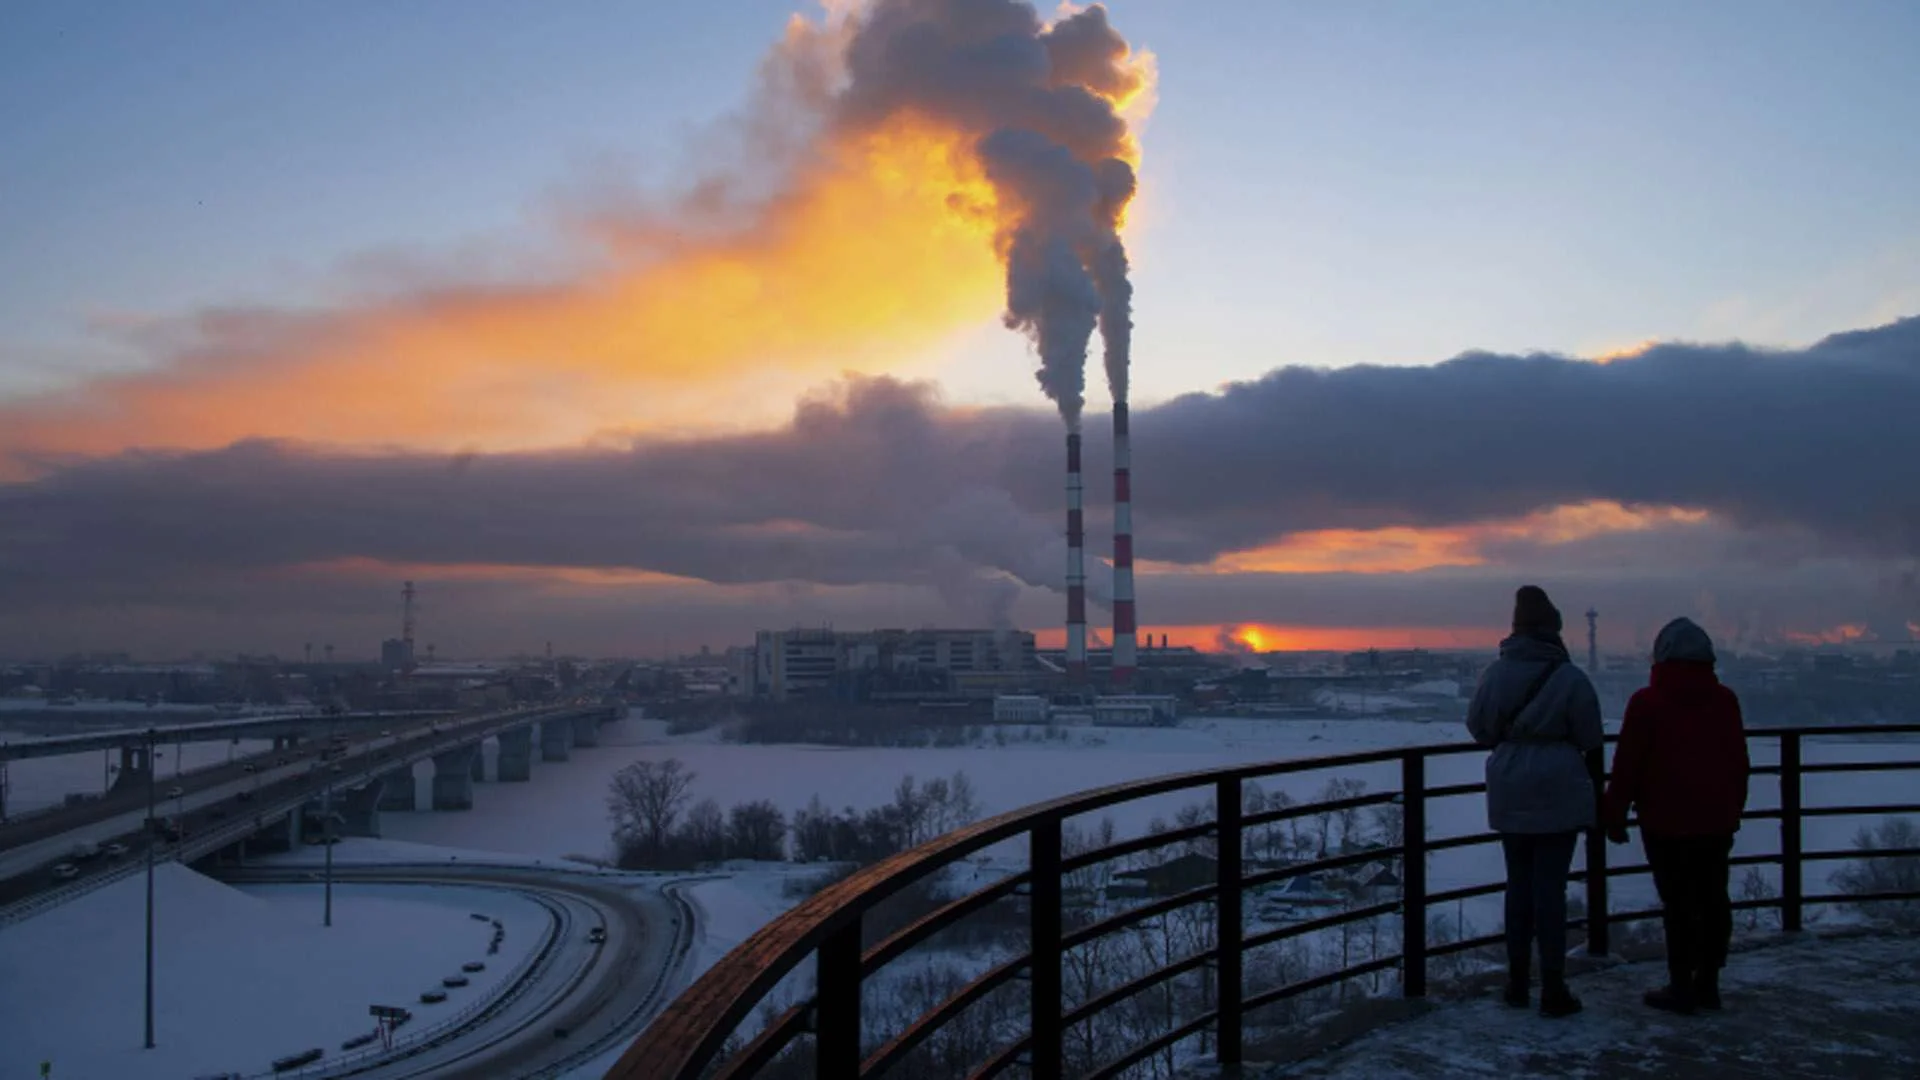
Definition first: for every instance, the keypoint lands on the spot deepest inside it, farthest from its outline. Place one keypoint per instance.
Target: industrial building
(803, 663)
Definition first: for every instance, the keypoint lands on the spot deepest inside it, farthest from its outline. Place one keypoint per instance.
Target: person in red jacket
(1682, 764)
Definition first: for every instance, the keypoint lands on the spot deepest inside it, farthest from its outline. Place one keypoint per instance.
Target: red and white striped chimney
(1076, 569)
(1124, 623)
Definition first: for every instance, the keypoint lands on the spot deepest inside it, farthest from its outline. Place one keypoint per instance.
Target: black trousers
(1537, 867)
(1697, 913)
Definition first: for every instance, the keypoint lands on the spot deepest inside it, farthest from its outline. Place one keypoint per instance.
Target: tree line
(657, 824)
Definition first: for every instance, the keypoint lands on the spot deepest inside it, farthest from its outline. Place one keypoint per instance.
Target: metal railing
(701, 1034)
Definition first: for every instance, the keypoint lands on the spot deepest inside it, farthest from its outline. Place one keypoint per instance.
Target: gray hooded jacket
(1537, 778)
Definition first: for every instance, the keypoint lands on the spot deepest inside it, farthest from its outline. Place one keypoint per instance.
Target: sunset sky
(641, 326)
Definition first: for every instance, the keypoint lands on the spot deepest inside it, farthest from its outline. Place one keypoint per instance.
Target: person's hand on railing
(1617, 833)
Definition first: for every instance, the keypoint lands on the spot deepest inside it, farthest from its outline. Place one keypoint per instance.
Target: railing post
(1230, 928)
(1044, 866)
(836, 1003)
(1599, 931)
(1413, 874)
(1790, 832)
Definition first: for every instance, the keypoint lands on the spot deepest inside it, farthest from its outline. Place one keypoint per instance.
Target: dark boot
(1516, 993)
(1706, 988)
(1556, 1000)
(1671, 998)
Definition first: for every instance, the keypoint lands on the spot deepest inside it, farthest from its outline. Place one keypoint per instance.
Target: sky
(637, 327)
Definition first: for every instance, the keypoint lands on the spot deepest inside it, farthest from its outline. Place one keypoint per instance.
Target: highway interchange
(599, 994)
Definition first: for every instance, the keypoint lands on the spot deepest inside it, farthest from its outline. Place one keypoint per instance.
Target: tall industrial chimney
(1593, 641)
(1124, 626)
(1076, 569)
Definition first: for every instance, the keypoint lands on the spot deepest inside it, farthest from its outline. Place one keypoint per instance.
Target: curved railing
(704, 1032)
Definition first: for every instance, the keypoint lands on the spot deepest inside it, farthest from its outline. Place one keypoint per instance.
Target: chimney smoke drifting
(1076, 569)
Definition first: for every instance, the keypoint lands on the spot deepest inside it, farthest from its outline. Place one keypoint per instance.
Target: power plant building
(790, 664)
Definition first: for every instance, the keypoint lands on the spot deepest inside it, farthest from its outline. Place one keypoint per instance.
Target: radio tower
(1593, 641)
(406, 621)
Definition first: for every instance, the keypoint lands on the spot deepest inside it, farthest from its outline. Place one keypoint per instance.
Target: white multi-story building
(800, 663)
(1020, 709)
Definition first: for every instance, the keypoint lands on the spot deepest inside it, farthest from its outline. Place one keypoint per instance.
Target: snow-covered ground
(34, 783)
(363, 851)
(563, 810)
(242, 976)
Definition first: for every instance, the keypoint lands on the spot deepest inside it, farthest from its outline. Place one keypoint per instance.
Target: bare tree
(1881, 873)
(645, 801)
(757, 830)
(705, 833)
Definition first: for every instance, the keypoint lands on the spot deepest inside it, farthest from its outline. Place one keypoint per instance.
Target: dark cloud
(1800, 456)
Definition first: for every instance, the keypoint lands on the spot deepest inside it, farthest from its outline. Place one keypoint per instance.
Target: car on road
(82, 852)
(473, 966)
(597, 935)
(65, 871)
(245, 796)
(432, 997)
(453, 981)
(174, 792)
(163, 828)
(114, 850)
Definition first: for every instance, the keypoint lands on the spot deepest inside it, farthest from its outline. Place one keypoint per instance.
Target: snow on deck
(241, 976)
(1820, 1007)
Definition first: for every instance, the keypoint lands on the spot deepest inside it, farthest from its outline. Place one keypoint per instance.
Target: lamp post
(326, 841)
(153, 840)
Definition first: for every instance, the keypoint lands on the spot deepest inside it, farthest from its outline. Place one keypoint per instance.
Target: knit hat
(1533, 611)
(1683, 639)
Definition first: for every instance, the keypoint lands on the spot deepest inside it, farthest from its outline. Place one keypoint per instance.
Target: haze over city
(632, 328)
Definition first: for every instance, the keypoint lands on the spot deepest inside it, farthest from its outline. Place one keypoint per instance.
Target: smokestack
(1593, 641)
(1076, 569)
(1124, 624)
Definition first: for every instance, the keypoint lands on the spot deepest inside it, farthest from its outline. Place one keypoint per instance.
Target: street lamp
(152, 840)
(326, 841)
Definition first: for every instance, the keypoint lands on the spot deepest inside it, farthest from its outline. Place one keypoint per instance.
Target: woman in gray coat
(1540, 715)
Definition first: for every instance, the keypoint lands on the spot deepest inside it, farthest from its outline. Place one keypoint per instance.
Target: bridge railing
(833, 935)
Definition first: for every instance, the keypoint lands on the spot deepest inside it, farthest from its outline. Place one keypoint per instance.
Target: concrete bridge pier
(295, 828)
(453, 778)
(515, 762)
(397, 791)
(135, 767)
(479, 769)
(556, 740)
(586, 731)
(359, 809)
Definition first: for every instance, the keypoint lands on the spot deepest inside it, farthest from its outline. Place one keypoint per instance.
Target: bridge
(277, 797)
(1186, 981)
(277, 726)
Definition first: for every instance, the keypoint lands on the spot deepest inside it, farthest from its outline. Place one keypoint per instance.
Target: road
(600, 995)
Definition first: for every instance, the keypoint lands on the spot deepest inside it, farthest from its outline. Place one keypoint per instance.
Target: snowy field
(563, 810)
(242, 976)
(40, 782)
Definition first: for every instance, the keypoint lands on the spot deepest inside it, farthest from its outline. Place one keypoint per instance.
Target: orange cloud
(1404, 548)
(1844, 634)
(882, 239)
(1266, 637)
(593, 576)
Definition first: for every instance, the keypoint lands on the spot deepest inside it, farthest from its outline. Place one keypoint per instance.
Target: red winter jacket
(1682, 758)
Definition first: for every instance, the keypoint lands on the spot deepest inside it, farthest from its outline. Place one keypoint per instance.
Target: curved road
(600, 995)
